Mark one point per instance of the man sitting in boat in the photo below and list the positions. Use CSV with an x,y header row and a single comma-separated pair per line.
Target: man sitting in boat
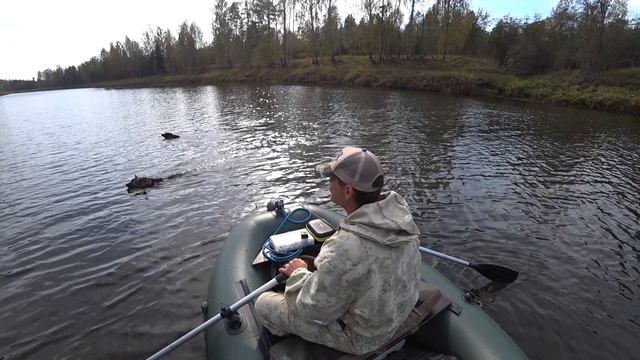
x,y
368,273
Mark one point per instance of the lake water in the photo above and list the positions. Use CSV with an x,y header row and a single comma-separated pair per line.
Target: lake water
x,y
88,270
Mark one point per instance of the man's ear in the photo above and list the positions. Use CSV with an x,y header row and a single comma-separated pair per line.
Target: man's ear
x,y
349,191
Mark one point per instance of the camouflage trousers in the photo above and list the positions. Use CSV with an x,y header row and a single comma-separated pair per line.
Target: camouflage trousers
x,y
275,311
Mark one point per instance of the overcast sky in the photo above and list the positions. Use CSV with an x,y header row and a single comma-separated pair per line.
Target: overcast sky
x,y
40,34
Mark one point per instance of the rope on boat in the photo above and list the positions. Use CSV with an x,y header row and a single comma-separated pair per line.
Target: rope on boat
x,y
270,253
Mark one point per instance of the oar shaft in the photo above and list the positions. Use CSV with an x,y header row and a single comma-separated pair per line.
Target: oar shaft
x,y
240,303
444,256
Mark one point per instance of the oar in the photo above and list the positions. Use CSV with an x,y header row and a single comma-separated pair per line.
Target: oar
x,y
240,303
492,272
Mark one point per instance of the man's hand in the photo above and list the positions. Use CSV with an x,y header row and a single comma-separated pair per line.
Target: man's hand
x,y
289,267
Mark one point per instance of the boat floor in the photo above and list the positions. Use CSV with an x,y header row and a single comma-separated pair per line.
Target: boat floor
x,y
413,353
410,350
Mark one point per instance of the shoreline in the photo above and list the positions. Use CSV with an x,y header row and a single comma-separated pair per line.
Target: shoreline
x,y
616,91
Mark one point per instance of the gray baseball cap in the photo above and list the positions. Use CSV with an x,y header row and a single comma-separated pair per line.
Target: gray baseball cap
x,y
354,166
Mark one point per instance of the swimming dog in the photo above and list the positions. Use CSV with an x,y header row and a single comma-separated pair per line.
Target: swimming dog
x,y
169,136
142,182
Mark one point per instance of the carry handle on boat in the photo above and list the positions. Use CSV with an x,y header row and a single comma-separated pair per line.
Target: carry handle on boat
x,y
492,272
280,278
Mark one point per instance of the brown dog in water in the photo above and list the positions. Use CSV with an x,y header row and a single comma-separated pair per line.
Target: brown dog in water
x,y
143,182
169,136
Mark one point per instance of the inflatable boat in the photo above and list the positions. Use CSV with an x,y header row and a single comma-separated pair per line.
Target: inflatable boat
x,y
461,328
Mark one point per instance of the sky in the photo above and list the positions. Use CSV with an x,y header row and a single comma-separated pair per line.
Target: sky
x,y
40,34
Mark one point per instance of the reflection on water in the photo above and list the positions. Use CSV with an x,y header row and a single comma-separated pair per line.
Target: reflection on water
x,y
90,271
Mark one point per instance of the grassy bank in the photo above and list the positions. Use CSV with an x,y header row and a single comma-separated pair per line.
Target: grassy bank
x,y
615,91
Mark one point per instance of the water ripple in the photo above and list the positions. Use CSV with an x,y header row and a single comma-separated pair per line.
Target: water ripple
x,y
549,191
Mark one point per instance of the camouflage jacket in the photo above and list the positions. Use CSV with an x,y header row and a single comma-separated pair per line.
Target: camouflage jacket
x,y
368,272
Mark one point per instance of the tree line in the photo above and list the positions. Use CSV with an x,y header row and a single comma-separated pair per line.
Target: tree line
x,y
589,35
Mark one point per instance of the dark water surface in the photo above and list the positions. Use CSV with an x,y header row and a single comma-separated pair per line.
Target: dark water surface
x,y
88,270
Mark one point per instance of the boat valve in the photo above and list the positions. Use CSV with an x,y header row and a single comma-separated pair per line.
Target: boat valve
x,y
469,297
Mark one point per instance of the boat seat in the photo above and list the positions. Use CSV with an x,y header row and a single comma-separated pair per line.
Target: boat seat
x,y
430,303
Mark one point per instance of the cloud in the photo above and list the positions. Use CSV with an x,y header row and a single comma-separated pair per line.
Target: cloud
x,y
38,34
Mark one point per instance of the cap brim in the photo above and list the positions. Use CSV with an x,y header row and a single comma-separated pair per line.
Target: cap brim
x,y
324,170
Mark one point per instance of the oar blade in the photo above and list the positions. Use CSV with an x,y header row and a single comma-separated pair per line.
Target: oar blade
x,y
496,272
